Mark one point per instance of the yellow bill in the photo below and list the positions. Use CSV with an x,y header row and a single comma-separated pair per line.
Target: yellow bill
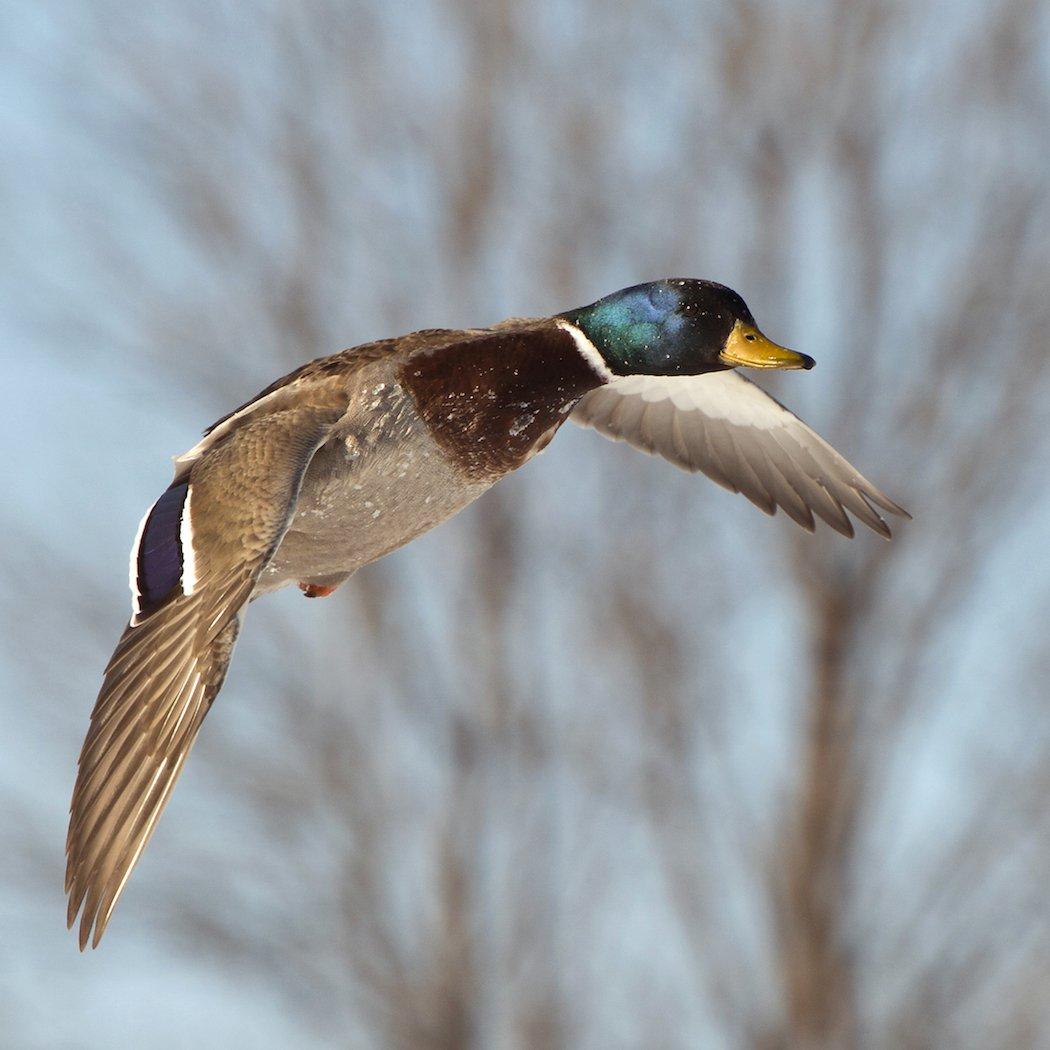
x,y
748,347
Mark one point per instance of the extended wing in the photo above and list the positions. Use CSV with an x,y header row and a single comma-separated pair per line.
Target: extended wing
x,y
200,550
722,424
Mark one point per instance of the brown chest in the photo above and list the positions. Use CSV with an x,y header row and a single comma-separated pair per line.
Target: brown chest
x,y
492,401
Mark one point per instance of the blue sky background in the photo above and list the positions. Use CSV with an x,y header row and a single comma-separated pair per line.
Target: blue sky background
x,y
199,198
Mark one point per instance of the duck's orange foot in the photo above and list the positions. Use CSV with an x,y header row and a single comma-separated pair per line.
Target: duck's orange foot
x,y
315,590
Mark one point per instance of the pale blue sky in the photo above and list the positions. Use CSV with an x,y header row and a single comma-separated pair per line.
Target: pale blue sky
x,y
90,424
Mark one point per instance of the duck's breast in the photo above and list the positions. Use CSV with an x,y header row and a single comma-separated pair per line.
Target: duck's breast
x,y
377,483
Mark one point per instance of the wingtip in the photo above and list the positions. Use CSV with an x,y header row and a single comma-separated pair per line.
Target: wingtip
x,y
898,511
843,526
883,501
885,531
72,906
85,930
878,524
806,524
73,912
92,926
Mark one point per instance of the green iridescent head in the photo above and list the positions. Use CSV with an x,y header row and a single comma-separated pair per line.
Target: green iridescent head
x,y
678,326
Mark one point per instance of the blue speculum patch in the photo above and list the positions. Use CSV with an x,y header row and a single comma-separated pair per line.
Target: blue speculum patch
x,y
160,549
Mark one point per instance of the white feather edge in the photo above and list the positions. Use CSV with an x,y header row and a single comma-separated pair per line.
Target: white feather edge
x,y
133,568
719,395
189,554
588,351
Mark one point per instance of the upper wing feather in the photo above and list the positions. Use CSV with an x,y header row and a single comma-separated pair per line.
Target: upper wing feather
x,y
722,424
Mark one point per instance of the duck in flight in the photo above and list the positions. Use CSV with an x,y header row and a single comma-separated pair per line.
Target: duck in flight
x,y
352,456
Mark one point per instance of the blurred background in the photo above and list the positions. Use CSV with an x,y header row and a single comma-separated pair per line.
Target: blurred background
x,y
610,760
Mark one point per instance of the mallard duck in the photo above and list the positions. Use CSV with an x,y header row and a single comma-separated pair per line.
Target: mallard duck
x,y
352,456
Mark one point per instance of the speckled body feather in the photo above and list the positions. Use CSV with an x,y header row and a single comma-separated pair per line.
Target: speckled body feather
x,y
376,483
426,431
